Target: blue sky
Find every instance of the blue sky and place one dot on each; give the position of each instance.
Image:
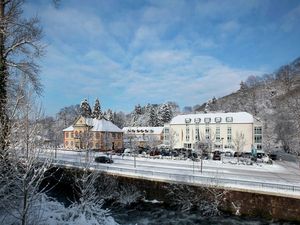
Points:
(132, 51)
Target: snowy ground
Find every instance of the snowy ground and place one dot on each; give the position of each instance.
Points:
(281, 178)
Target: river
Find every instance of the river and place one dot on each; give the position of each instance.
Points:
(157, 214)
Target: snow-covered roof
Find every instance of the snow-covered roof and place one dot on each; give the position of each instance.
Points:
(230, 117)
(98, 125)
(142, 130)
(70, 128)
(102, 125)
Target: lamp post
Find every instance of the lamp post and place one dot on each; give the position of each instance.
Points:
(222, 144)
(222, 149)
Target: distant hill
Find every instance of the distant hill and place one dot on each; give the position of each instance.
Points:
(275, 99)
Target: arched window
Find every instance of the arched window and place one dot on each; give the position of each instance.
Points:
(67, 143)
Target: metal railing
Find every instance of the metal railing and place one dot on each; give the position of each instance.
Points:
(204, 179)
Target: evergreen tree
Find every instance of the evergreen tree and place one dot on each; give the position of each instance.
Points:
(110, 115)
(165, 114)
(97, 114)
(85, 108)
(152, 117)
(138, 109)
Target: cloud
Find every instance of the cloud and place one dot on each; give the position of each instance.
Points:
(153, 52)
(291, 20)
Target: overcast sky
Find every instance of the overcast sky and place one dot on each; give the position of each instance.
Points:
(132, 51)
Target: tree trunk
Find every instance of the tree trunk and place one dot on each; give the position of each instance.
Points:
(4, 120)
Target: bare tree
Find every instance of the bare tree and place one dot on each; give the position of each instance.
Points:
(239, 142)
(25, 172)
(19, 47)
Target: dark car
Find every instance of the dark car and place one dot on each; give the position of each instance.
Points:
(103, 159)
(217, 155)
(273, 156)
(260, 155)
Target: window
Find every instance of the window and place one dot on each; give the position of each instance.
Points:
(218, 119)
(187, 133)
(197, 120)
(97, 135)
(229, 119)
(67, 143)
(207, 120)
(72, 143)
(217, 134)
(229, 138)
(229, 135)
(67, 134)
(167, 130)
(257, 139)
(72, 134)
(207, 133)
(257, 130)
(258, 135)
(258, 147)
(197, 133)
(188, 120)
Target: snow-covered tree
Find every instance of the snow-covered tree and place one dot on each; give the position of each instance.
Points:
(20, 46)
(165, 114)
(109, 115)
(138, 109)
(85, 108)
(239, 142)
(152, 117)
(97, 113)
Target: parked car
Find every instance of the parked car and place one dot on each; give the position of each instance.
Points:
(127, 151)
(217, 155)
(273, 156)
(237, 154)
(260, 155)
(103, 159)
(228, 154)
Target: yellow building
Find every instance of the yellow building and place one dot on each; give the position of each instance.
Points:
(89, 133)
(236, 131)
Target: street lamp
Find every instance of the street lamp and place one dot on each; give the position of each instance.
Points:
(222, 144)
(222, 149)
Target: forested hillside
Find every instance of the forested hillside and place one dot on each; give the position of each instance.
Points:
(273, 98)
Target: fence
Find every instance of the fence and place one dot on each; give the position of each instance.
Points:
(195, 179)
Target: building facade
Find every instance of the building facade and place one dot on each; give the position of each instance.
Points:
(143, 136)
(89, 133)
(235, 131)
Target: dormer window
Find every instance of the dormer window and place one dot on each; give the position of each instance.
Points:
(207, 120)
(218, 119)
(197, 120)
(188, 120)
(229, 119)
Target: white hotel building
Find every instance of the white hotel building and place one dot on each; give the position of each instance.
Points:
(220, 129)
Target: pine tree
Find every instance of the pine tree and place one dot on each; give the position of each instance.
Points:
(97, 113)
(165, 114)
(85, 108)
(110, 115)
(138, 109)
(152, 117)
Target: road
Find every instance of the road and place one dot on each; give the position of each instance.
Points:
(280, 172)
